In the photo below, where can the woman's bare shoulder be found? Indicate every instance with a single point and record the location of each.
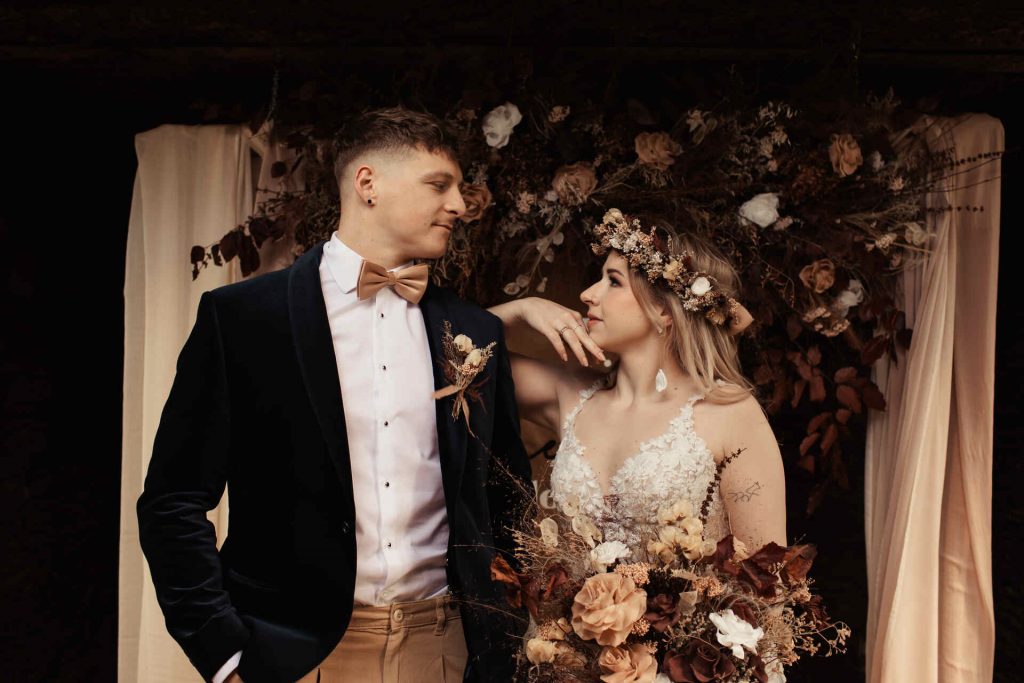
(731, 424)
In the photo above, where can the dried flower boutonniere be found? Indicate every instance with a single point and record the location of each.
(463, 362)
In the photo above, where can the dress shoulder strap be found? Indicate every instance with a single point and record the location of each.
(584, 396)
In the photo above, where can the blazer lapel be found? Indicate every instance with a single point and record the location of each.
(314, 348)
(451, 434)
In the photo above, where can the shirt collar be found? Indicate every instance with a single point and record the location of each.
(344, 263)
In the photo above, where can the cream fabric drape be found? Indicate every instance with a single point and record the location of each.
(928, 471)
(193, 184)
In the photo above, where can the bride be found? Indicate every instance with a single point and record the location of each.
(652, 432)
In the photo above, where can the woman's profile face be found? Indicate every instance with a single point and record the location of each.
(616, 318)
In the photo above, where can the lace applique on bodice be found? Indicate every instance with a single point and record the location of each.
(676, 464)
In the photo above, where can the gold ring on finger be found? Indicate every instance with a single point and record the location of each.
(562, 331)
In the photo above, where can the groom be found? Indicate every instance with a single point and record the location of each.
(363, 516)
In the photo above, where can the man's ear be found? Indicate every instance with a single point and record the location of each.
(363, 180)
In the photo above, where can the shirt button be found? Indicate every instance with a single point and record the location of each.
(382, 315)
(399, 615)
(384, 368)
(387, 484)
(389, 544)
(386, 423)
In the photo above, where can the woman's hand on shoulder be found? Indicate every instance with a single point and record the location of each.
(562, 326)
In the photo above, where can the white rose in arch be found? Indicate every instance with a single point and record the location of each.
(915, 234)
(849, 297)
(499, 122)
(700, 286)
(763, 209)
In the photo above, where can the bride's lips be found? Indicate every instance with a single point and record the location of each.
(591, 320)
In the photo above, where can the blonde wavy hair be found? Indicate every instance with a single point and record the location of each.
(705, 351)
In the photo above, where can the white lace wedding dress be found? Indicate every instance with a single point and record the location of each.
(677, 464)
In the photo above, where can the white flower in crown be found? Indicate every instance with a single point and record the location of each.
(499, 122)
(762, 210)
(736, 633)
(700, 286)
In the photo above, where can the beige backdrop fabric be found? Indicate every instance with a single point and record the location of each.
(193, 184)
(928, 471)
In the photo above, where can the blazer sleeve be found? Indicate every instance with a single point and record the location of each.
(510, 486)
(186, 478)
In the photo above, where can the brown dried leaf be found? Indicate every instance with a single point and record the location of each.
(808, 441)
(849, 397)
(503, 573)
(798, 392)
(845, 375)
(843, 416)
(817, 422)
(831, 434)
(807, 463)
(874, 349)
(817, 388)
(229, 244)
(797, 562)
(814, 355)
(904, 336)
(873, 396)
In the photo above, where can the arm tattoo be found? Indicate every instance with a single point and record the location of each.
(745, 496)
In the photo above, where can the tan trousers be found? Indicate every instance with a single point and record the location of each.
(406, 642)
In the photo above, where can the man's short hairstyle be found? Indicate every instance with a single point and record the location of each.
(388, 130)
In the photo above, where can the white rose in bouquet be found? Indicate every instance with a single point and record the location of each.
(736, 633)
(608, 553)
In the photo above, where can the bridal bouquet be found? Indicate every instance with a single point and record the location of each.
(677, 607)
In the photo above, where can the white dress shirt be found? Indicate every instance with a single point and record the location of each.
(387, 385)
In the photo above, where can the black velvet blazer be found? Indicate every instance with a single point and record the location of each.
(256, 405)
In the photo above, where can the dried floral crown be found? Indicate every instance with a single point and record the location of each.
(699, 291)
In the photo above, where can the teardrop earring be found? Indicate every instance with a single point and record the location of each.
(660, 381)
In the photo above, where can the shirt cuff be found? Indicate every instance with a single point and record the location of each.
(228, 668)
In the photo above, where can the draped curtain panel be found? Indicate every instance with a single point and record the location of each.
(193, 184)
(928, 464)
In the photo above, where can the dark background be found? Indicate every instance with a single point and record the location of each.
(79, 82)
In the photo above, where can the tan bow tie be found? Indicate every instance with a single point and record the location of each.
(409, 283)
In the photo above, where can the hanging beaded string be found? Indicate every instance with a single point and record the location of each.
(715, 484)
